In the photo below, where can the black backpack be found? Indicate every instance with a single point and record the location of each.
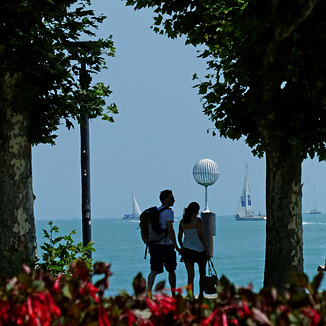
(151, 230)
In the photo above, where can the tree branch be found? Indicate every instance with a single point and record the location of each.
(284, 27)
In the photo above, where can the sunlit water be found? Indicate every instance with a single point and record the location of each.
(239, 249)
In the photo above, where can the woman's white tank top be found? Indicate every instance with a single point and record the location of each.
(191, 239)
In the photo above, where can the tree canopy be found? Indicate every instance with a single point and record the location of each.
(40, 45)
(266, 61)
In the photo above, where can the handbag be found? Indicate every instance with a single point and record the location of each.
(211, 280)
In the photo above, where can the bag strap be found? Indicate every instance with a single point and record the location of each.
(211, 267)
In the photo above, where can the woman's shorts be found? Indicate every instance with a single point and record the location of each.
(193, 255)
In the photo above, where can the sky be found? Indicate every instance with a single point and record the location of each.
(157, 137)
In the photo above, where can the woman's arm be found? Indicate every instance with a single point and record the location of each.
(202, 236)
(180, 234)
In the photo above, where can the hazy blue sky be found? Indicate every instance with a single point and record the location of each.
(158, 136)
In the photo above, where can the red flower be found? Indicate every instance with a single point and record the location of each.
(56, 286)
(54, 309)
(131, 318)
(4, 308)
(166, 303)
(207, 320)
(247, 312)
(312, 314)
(224, 320)
(89, 290)
(79, 270)
(234, 321)
(19, 313)
(152, 305)
(103, 319)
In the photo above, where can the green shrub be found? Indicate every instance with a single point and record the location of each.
(60, 252)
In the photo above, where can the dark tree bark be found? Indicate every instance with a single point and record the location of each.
(17, 236)
(284, 233)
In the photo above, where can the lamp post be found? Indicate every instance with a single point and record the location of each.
(85, 165)
(84, 80)
(206, 173)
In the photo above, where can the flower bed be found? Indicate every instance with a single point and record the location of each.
(36, 298)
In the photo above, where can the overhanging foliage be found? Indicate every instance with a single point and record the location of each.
(41, 53)
(267, 66)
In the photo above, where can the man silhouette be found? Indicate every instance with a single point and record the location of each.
(163, 252)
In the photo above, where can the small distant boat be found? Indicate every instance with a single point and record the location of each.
(245, 210)
(313, 211)
(135, 210)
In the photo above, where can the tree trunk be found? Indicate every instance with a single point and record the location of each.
(284, 241)
(17, 225)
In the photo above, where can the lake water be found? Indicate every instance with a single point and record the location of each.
(239, 249)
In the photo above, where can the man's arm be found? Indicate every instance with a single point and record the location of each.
(169, 225)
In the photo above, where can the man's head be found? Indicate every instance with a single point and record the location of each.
(166, 198)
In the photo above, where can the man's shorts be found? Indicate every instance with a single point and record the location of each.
(162, 255)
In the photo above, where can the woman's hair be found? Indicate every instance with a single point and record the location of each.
(192, 208)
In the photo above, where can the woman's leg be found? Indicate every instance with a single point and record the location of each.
(202, 274)
(191, 273)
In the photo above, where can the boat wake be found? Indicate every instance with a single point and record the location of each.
(312, 223)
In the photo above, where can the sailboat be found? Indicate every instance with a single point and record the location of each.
(312, 211)
(315, 210)
(135, 210)
(245, 210)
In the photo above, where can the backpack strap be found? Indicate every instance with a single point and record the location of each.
(162, 209)
(165, 235)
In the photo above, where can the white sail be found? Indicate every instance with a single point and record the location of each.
(315, 210)
(136, 210)
(245, 206)
(245, 209)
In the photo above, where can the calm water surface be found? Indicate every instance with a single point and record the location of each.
(239, 249)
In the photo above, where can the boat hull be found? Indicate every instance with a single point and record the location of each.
(130, 217)
(251, 218)
(313, 211)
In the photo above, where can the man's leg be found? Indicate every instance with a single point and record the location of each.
(170, 261)
(156, 265)
(151, 279)
(172, 281)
